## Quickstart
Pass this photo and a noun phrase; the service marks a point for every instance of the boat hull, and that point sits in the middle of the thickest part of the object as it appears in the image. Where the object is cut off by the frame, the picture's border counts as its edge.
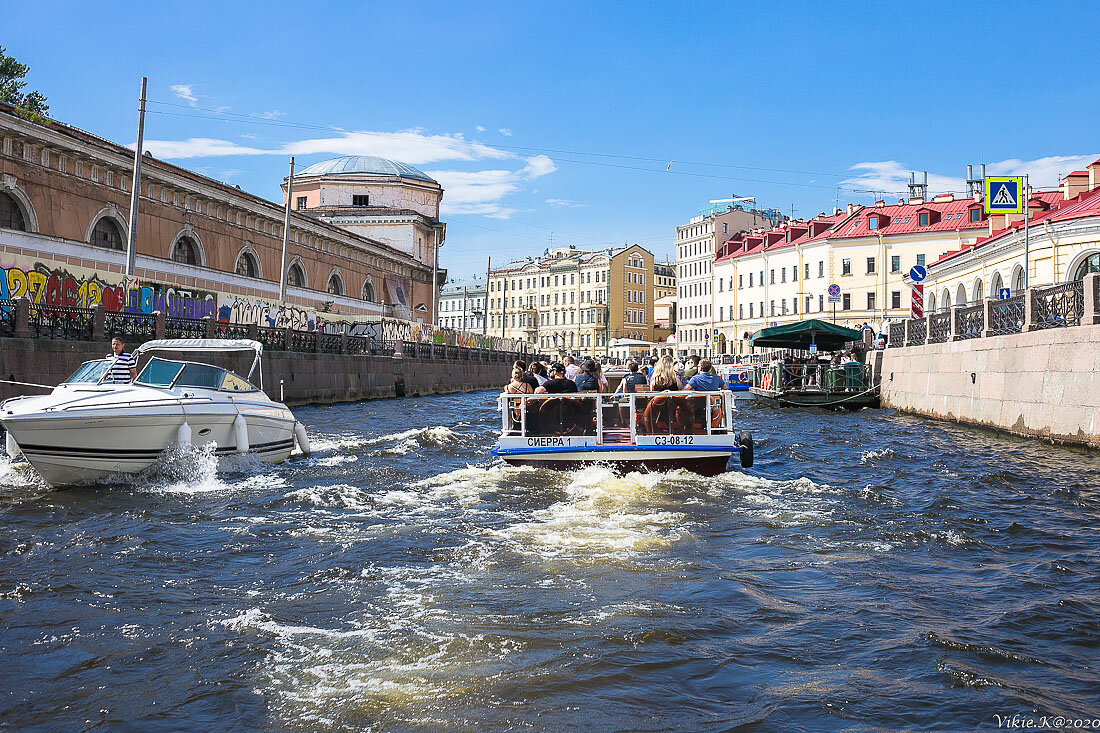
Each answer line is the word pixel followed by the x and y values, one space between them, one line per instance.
pixel 625 460
pixel 89 447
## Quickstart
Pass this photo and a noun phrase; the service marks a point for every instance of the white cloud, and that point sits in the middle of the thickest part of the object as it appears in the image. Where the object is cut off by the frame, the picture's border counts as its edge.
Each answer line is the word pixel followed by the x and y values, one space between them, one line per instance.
pixel 565 204
pixel 891 177
pixel 183 91
pixel 466 192
pixel 480 128
pixel 248 136
pixel 272 115
pixel 505 132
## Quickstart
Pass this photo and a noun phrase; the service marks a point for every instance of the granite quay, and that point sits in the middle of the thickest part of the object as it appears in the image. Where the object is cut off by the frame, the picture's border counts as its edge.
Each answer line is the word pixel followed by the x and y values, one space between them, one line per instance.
pixel 45 344
pixel 1027 364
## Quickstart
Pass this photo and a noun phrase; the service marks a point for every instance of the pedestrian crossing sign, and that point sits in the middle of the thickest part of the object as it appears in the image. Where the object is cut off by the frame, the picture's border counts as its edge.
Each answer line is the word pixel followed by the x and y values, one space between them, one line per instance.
pixel 1003 195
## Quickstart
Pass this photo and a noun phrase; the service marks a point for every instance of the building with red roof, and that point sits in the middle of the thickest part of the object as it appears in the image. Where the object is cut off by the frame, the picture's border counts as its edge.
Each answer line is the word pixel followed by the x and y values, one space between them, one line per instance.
pixel 1062 244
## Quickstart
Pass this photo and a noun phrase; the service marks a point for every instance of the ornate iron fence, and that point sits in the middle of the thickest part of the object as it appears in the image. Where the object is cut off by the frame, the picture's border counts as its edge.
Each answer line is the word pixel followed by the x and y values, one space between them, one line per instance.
pixel 303 341
pixel 1007 316
pixel 917 332
pixel 7 317
pixel 56 322
pixel 939 327
pixel 135 328
pixel 184 328
pixel 230 331
pixel 969 322
pixel 897 334
pixel 1059 305
pixel 273 339
pixel 331 343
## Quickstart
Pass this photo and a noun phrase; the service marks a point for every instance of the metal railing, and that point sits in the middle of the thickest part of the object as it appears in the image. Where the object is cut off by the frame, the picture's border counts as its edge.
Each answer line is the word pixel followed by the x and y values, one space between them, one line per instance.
pixel 303 341
pixel 331 343
pixel 184 328
pixel 135 328
pixel 230 331
pixel 823 377
pixel 57 322
pixel 1007 316
pixel 939 327
pixel 917 332
pixel 897 334
pixel 1059 305
pixel 969 322
pixel 7 317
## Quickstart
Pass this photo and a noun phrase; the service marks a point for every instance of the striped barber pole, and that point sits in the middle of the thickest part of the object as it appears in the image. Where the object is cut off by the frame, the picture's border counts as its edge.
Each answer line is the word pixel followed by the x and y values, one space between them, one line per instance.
pixel 917 308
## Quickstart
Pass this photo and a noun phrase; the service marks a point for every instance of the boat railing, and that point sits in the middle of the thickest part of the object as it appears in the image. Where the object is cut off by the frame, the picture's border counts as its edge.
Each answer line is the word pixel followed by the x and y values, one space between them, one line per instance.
pixel 617 418
pixel 822 377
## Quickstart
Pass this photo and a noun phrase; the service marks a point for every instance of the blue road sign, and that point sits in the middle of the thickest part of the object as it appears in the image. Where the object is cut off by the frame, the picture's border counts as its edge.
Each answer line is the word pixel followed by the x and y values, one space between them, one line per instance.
pixel 834 290
pixel 1004 293
pixel 918 273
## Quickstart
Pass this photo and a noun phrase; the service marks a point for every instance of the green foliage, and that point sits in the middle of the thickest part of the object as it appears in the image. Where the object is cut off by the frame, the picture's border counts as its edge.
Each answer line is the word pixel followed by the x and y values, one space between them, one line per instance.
pixel 32 106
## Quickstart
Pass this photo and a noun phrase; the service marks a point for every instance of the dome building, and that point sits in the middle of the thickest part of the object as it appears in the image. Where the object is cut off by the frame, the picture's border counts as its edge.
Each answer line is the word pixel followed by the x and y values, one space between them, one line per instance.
pixel 384 200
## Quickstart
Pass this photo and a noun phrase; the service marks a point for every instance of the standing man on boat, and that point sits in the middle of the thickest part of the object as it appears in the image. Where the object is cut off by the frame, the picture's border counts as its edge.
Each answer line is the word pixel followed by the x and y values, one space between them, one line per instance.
pixel 124 366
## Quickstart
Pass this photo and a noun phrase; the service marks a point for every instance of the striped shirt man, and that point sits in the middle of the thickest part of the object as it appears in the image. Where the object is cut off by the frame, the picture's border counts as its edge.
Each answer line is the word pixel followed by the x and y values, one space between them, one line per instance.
pixel 124 367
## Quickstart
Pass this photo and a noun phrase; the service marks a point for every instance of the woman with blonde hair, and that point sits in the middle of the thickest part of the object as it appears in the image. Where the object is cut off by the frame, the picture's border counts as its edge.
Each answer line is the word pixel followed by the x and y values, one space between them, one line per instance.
pixel 517 385
pixel 664 378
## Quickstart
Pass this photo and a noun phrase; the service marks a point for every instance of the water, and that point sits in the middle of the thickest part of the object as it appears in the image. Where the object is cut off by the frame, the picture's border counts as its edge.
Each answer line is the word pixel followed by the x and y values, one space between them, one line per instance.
pixel 872 572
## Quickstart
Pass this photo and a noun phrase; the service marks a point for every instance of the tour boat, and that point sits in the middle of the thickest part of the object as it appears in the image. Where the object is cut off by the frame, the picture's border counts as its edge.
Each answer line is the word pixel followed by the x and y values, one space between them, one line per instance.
pixel 738 377
pixel 650 431
pixel 86 429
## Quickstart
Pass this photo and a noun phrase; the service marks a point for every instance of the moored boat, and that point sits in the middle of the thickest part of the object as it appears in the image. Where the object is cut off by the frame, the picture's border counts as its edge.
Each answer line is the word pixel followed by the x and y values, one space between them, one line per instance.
pixel 651 431
pixel 86 429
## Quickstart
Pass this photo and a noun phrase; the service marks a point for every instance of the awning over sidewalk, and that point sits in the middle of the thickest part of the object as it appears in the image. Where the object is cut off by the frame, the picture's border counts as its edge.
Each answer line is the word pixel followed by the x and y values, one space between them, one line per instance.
pixel 827 336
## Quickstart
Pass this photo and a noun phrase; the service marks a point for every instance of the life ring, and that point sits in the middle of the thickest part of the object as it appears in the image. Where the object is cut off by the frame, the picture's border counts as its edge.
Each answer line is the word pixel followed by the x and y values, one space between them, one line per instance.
pixel 562 416
pixel 657 417
pixel 716 411
pixel 743 377
pixel 766 381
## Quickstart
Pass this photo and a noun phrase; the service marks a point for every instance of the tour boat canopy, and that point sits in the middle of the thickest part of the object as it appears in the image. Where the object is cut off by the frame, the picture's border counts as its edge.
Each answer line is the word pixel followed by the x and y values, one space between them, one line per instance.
pixel 201 345
pixel 827 336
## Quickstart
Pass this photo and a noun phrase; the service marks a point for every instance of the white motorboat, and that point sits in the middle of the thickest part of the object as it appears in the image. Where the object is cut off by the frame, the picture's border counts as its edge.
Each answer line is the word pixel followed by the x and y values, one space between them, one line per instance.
pixel 87 429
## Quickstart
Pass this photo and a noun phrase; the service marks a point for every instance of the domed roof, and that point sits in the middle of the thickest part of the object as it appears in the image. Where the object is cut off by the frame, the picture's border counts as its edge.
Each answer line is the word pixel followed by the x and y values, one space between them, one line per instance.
pixel 363 165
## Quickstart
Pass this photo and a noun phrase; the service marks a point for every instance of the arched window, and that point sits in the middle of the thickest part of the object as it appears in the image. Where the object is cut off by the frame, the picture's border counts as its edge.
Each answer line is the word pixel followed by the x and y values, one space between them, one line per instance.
pixel 186 251
pixel 11 216
pixel 368 292
pixel 931 304
pixel 296 276
pixel 335 285
pixel 1018 280
pixel 979 291
pixel 1092 264
pixel 960 295
pixel 106 234
pixel 246 265
pixel 945 300
pixel 995 285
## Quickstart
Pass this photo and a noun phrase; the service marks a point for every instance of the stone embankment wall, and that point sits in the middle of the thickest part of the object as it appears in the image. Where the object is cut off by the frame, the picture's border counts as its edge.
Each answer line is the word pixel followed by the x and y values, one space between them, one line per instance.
pixel 307 378
pixel 1043 383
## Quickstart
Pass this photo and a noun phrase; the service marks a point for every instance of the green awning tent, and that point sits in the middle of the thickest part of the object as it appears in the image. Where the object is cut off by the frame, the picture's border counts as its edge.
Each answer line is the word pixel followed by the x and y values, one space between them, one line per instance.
pixel 827 336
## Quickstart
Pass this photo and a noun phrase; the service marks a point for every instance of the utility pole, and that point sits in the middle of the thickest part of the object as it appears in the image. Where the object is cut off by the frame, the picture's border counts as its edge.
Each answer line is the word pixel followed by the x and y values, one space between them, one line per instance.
pixel 485 320
pixel 135 189
pixel 286 232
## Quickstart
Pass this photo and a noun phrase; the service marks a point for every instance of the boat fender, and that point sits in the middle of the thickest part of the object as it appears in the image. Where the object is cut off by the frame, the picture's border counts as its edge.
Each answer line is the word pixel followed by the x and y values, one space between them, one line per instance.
pixel 183 435
pixel 302 438
pixel 240 433
pixel 744 439
pixel 11 446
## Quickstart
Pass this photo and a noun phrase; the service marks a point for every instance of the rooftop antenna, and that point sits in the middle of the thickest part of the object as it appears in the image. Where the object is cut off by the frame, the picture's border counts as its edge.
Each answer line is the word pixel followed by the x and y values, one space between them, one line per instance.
pixel 918 190
pixel 734 198
pixel 974 185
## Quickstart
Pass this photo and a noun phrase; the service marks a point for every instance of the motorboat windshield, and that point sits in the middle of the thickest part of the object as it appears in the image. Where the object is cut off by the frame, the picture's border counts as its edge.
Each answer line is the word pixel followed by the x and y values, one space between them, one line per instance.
pixel 168 373
pixel 91 372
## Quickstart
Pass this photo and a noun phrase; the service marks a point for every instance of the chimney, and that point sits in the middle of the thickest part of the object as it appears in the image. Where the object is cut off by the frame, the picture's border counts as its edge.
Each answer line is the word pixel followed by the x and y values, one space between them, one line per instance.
pixel 1094 174
pixel 915 200
pixel 1074 184
pixel 880 202
pixel 851 208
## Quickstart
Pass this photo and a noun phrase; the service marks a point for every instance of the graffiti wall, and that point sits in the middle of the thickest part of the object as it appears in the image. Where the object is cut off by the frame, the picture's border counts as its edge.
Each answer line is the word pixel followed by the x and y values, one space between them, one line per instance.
pixel 46 283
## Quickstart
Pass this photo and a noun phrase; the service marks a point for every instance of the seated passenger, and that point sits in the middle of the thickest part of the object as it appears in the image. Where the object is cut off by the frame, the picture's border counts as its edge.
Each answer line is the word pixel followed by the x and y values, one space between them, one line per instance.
pixel 538 369
pixel 664 379
pixel 588 378
pixel 557 384
pixel 518 385
pixel 706 380
pixel 633 380
pixel 527 376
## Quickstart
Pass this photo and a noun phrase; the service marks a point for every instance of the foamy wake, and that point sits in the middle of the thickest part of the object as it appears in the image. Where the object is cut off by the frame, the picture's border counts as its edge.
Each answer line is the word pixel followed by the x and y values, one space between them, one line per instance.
pixel 873 455
pixel 604 515
pixel 438 435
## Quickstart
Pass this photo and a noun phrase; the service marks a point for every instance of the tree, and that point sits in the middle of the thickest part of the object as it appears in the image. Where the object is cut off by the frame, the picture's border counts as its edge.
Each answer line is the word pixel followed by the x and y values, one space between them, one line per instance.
pixel 31 106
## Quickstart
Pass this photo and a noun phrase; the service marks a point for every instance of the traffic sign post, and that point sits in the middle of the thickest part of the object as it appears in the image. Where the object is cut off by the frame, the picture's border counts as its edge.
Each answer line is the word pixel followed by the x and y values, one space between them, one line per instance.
pixel 1004 195
pixel 916 301
pixel 834 298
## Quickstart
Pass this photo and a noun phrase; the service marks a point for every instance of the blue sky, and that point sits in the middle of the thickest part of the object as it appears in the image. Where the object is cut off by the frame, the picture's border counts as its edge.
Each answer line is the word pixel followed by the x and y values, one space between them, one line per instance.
pixel 559 120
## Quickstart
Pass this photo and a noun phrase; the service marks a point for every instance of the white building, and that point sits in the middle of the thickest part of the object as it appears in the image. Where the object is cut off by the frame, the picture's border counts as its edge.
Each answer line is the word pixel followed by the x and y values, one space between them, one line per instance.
pixel 462 305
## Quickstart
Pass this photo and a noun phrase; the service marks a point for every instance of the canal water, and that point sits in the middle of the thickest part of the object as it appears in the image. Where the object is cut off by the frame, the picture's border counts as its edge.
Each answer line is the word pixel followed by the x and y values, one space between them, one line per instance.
pixel 872 572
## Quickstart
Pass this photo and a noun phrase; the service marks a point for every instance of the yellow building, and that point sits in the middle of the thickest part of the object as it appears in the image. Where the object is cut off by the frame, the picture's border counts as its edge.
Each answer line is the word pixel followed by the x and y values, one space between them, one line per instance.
pixel 1063 246
pixel 574 301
